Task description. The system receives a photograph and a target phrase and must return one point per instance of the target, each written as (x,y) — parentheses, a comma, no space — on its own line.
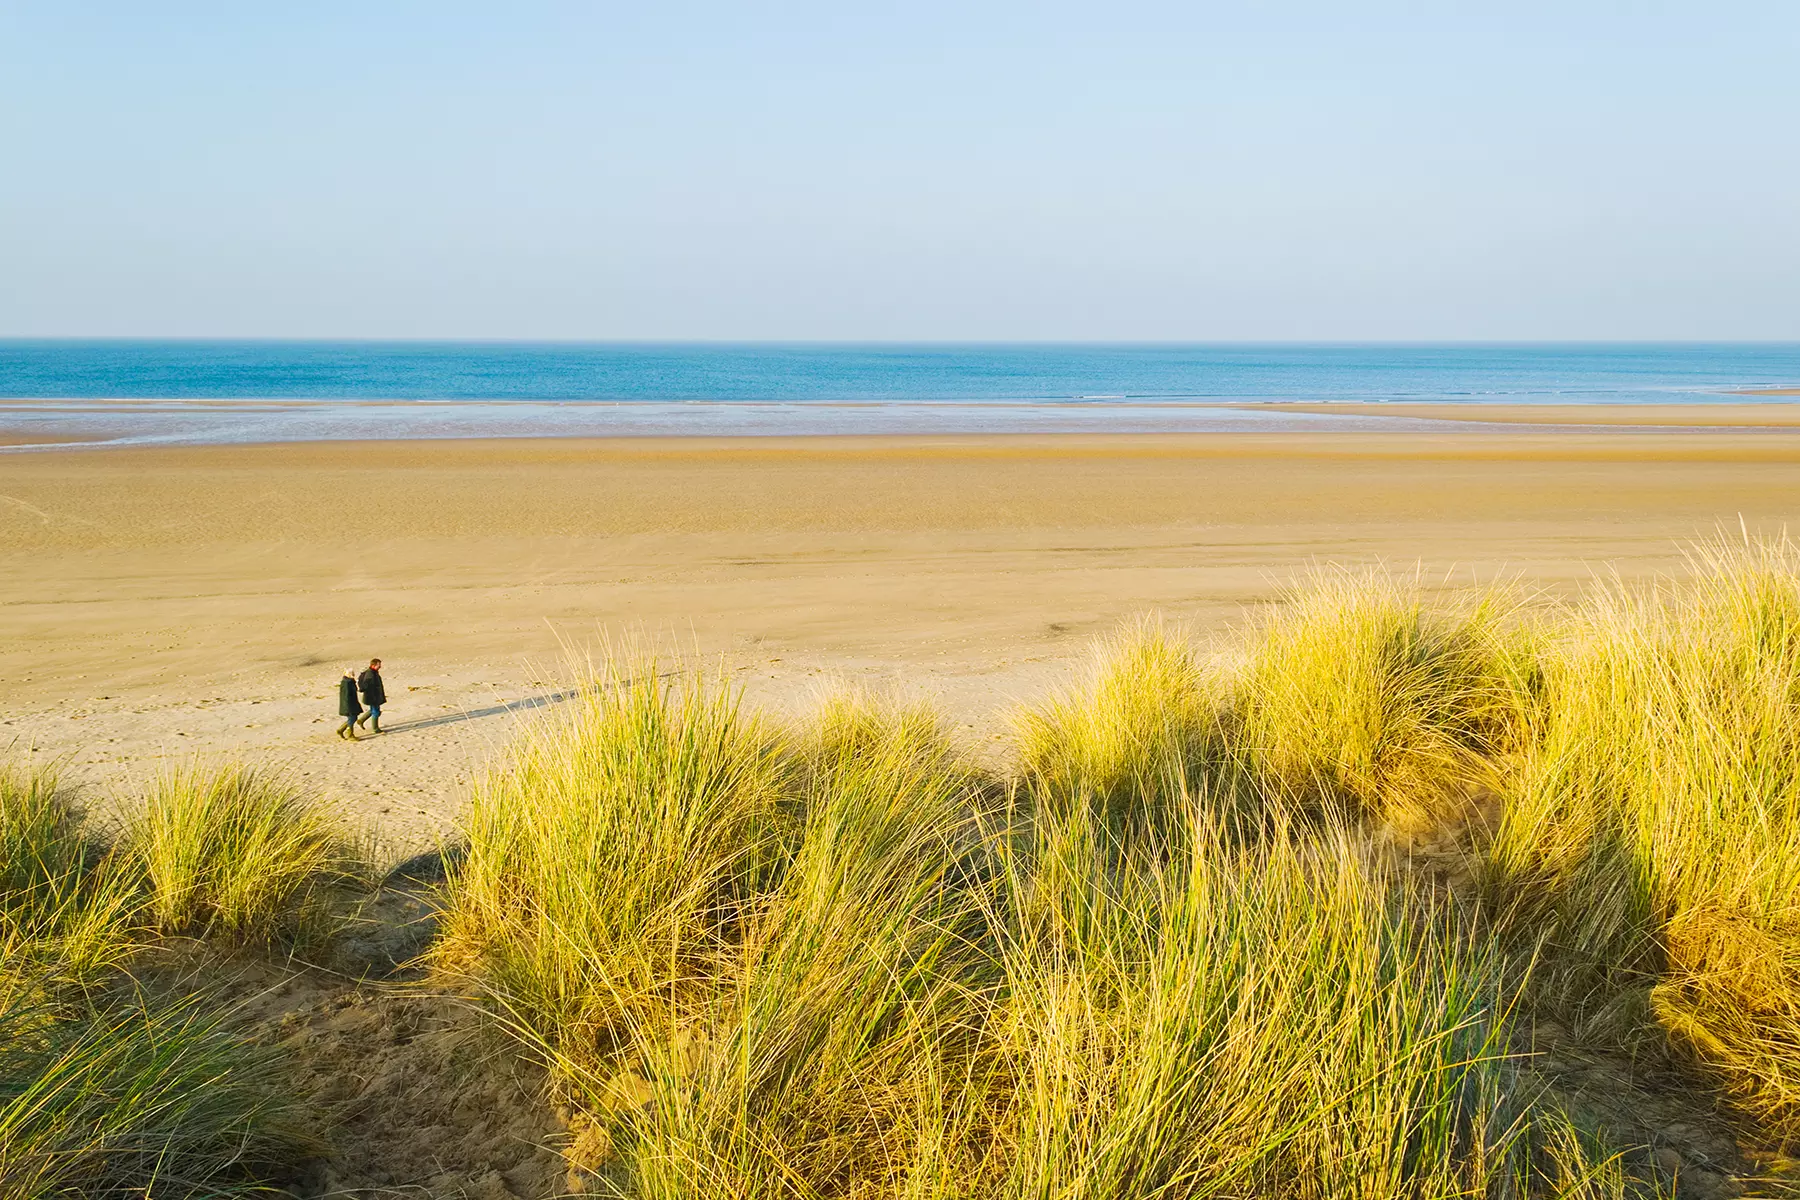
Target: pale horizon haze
(928,171)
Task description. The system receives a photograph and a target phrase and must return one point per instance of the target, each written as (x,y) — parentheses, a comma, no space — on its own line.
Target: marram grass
(1274,1019)
(1148,721)
(857,979)
(608,866)
(125,1095)
(1170,952)
(1359,691)
(1651,835)
(109,1088)
(837,961)
(65,906)
(237,852)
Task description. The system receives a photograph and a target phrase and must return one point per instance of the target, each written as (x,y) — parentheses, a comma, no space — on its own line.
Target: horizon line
(489,340)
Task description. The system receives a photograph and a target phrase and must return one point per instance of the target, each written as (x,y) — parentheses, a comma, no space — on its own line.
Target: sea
(189,391)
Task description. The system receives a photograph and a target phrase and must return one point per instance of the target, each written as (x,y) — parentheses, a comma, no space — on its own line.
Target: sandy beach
(975,602)
(159,603)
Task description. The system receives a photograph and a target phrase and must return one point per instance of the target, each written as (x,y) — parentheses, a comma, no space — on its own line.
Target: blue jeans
(374,714)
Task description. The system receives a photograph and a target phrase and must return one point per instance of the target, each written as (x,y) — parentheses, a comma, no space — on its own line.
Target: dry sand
(162,603)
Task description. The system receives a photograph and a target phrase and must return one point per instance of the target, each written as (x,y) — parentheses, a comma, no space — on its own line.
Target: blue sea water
(1564,373)
(187,391)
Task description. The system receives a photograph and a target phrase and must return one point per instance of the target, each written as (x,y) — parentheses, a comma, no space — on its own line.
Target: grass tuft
(609,864)
(106,1089)
(123,1095)
(1361,693)
(1650,841)
(1142,733)
(238,853)
(64,905)
(132,1096)
(821,1054)
(1275,1019)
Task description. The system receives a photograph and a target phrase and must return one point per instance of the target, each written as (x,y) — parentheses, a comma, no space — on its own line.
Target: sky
(678,169)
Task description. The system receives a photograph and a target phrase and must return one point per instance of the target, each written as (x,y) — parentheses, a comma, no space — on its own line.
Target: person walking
(348,708)
(374,695)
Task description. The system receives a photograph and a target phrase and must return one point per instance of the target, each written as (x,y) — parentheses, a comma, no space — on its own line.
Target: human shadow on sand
(475,714)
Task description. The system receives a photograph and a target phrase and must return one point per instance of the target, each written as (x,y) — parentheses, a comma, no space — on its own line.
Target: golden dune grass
(110,1087)
(1167,956)
(1171,951)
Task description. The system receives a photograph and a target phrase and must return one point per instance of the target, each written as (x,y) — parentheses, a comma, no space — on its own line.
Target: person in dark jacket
(373,694)
(348,708)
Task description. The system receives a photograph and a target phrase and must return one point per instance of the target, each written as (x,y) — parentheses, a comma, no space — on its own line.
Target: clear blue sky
(665,169)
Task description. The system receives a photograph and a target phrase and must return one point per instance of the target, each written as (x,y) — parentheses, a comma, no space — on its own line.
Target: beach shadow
(429,868)
(476,714)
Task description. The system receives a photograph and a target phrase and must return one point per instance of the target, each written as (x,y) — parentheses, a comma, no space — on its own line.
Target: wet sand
(160,603)
(1722,415)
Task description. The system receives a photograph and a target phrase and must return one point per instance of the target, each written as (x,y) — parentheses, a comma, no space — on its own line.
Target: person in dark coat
(373,694)
(348,708)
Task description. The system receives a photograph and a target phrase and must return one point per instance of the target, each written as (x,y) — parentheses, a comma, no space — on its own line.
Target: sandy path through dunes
(158,603)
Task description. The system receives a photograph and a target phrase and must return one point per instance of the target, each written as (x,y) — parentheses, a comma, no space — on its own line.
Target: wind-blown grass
(111,1088)
(238,853)
(63,904)
(1651,837)
(1276,1019)
(893,978)
(608,865)
(820,1054)
(128,1096)
(1173,951)
(1148,723)
(1359,691)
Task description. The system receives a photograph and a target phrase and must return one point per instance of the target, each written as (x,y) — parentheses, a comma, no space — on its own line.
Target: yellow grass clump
(1145,729)
(127,1095)
(1275,1019)
(828,1047)
(237,852)
(1651,837)
(63,906)
(610,863)
(1359,691)
(108,1088)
